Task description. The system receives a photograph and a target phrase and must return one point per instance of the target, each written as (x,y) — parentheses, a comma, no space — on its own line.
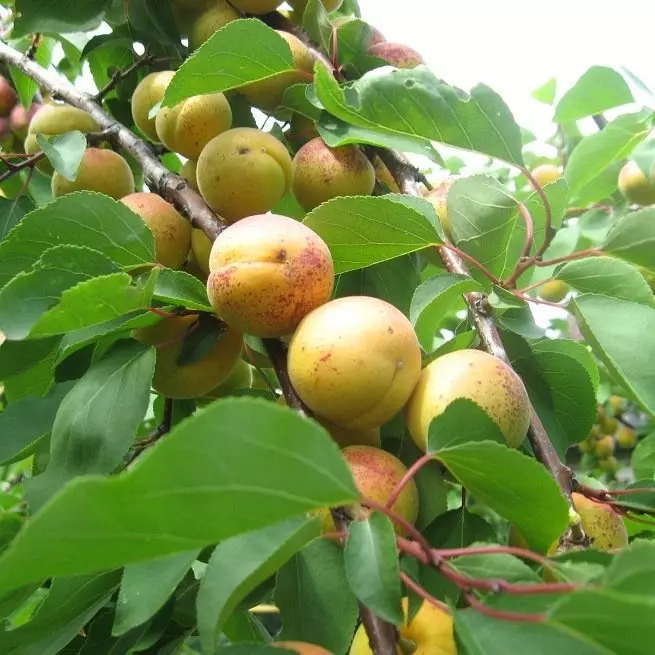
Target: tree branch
(171,187)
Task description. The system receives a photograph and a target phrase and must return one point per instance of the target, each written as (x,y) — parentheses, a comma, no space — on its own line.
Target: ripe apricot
(396,54)
(243,172)
(355,361)
(103,171)
(267,94)
(190,125)
(478,376)
(601,523)
(266,273)
(178,380)
(8,97)
(321,173)
(218,15)
(546,174)
(171,231)
(635,186)
(148,93)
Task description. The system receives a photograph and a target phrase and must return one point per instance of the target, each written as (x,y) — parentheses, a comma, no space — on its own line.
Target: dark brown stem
(471,260)
(600,121)
(30,163)
(277,353)
(171,187)
(420,591)
(34,46)
(409,476)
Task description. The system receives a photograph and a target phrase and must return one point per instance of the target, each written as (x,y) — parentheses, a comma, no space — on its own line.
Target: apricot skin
(171,231)
(321,173)
(635,186)
(149,92)
(601,523)
(189,126)
(554,291)
(478,376)
(355,361)
(188,172)
(266,273)
(103,171)
(218,15)
(267,94)
(376,474)
(396,54)
(546,174)
(197,378)
(243,172)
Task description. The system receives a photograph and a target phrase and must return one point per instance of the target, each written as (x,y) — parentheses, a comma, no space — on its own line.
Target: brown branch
(30,163)
(171,187)
(277,353)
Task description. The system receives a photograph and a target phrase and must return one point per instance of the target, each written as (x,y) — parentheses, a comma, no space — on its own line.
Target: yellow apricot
(171,231)
(626,436)
(321,173)
(103,171)
(148,93)
(189,126)
(396,54)
(376,474)
(601,523)
(218,15)
(53,120)
(430,632)
(605,446)
(188,172)
(635,186)
(267,94)
(178,380)
(355,361)
(266,273)
(546,174)
(478,376)
(201,246)
(554,290)
(243,172)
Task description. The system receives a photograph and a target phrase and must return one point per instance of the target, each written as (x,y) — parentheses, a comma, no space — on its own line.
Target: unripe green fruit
(188,172)
(53,120)
(626,437)
(218,15)
(148,93)
(616,403)
(609,464)
(267,273)
(396,54)
(376,474)
(605,447)
(546,174)
(553,291)
(256,7)
(103,171)
(243,172)
(189,126)
(635,186)
(171,231)
(355,361)
(609,424)
(175,380)
(321,173)
(267,94)
(478,376)
(240,378)
(601,523)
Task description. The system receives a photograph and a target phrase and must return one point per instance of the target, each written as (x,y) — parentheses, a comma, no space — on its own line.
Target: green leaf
(458,528)
(69,606)
(362,231)
(97,421)
(547,92)
(434,300)
(11,213)
(58,17)
(292,467)
(644,156)
(632,238)
(597,151)
(609,277)
(574,349)
(632,571)
(605,619)
(643,458)
(599,89)
(612,327)
(315,601)
(602,187)
(83,219)
(372,568)
(64,152)
(24,84)
(181,289)
(529,498)
(153,19)
(94,302)
(393,281)
(243,51)
(238,565)
(23,423)
(33,377)
(483,216)
(146,587)
(28,296)
(480,122)
(495,567)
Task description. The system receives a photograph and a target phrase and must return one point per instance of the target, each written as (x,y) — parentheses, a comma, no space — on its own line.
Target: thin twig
(579,254)
(34,46)
(548,213)
(277,353)
(30,163)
